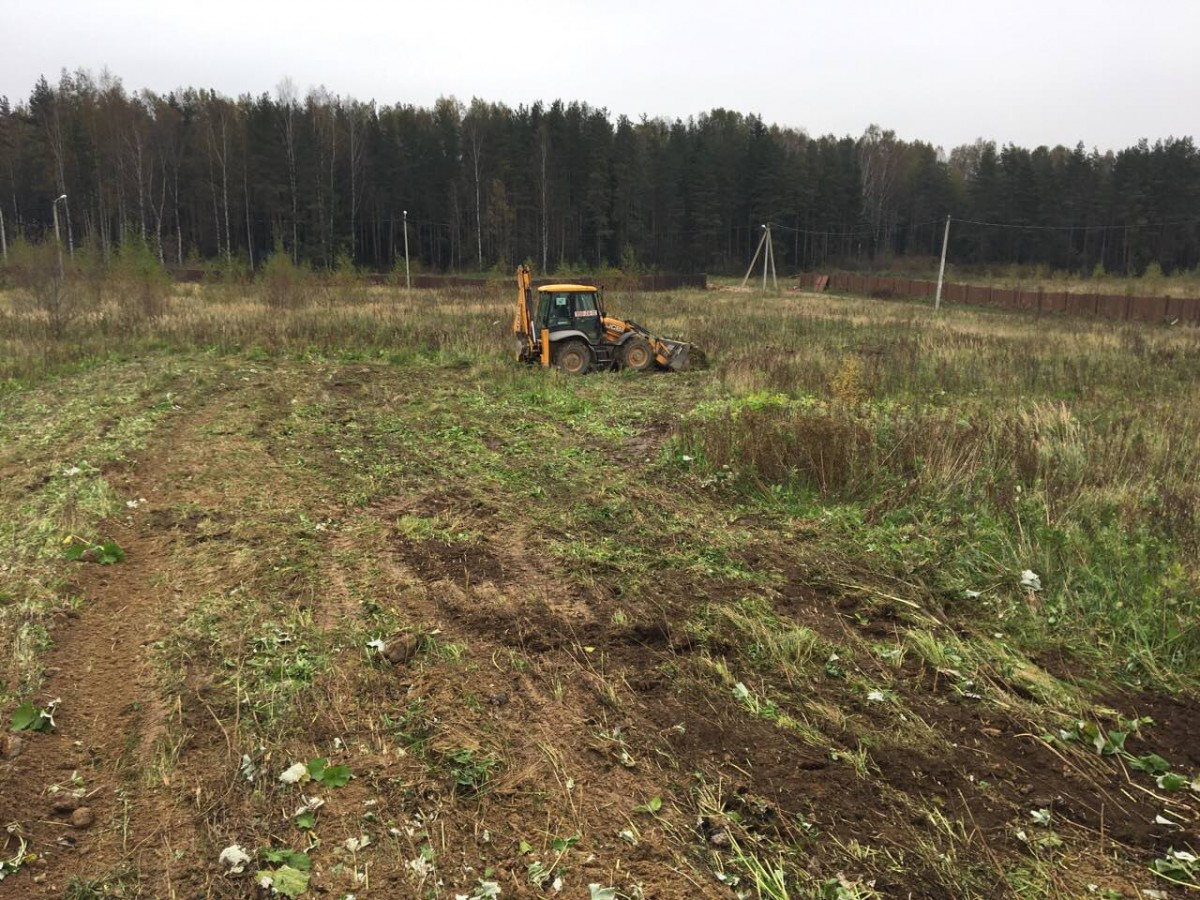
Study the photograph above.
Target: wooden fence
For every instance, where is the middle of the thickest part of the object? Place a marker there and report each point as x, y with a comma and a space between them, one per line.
1120, 307
433, 282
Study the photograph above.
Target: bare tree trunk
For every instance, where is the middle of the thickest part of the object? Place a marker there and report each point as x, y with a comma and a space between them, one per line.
456, 231
178, 222
54, 129
475, 151
246, 195
3, 237
355, 158
285, 93
545, 209
158, 214
136, 143
12, 183
212, 183
225, 189
120, 212
102, 215
332, 180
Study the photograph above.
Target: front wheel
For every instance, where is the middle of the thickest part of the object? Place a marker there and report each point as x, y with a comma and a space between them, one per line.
573, 357
636, 354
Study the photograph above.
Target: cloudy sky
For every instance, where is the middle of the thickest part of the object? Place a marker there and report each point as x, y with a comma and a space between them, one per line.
1105, 72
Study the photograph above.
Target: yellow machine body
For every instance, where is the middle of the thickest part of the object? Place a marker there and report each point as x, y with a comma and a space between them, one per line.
565, 324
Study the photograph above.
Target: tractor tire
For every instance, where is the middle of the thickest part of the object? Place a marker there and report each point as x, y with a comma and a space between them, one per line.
573, 357
636, 354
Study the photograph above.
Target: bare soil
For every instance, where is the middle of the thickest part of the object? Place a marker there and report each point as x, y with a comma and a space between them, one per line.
590, 702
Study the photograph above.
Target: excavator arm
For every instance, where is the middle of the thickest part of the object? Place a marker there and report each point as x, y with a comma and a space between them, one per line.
526, 340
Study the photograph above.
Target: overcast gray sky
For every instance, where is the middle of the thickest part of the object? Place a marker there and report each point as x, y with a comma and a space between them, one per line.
1028, 71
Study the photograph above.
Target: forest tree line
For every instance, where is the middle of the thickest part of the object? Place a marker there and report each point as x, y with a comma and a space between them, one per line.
198, 176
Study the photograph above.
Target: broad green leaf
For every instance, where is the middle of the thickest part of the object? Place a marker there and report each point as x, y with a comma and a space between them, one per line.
28, 717
109, 552
24, 717
1172, 782
1151, 764
306, 819
330, 776
561, 844
285, 880
335, 776
287, 857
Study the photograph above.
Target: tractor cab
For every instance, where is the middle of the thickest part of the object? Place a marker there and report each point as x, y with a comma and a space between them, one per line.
569, 307
564, 325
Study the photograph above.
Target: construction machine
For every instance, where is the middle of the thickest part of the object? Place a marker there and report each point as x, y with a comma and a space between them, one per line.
566, 325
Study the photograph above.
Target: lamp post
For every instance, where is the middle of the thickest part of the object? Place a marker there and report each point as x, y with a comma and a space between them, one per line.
407, 276
57, 237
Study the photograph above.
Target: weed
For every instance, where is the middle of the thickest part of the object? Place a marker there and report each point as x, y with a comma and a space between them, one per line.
470, 771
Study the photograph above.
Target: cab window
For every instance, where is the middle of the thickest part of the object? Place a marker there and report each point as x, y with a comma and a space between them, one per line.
560, 310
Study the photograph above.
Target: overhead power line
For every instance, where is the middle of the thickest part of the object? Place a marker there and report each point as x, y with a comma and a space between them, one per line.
1075, 227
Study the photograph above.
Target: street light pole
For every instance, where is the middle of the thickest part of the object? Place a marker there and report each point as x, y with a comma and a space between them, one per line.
57, 236
407, 275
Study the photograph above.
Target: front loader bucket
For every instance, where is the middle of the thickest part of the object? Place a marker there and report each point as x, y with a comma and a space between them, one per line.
679, 354
679, 358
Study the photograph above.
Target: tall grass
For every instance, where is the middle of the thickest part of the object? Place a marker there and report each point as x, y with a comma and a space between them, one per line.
336, 317
959, 453
945, 455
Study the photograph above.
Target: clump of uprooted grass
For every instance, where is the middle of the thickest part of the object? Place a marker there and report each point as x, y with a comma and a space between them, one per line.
960, 500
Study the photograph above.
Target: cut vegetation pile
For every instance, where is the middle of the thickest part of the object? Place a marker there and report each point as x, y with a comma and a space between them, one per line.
331, 598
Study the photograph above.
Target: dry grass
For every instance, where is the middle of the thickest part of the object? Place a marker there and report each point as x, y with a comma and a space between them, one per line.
740, 592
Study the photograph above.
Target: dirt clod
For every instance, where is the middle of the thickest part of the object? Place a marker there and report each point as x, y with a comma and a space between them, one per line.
401, 649
82, 818
65, 805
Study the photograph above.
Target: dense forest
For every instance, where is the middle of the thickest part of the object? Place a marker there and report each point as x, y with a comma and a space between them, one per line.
202, 177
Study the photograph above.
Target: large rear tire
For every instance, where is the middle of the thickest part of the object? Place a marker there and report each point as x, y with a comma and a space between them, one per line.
573, 357
637, 354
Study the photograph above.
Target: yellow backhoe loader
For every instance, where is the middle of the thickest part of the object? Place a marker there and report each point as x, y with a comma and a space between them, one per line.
565, 325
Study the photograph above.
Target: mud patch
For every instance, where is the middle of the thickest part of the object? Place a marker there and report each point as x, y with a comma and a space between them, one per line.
461, 562
1175, 733
195, 526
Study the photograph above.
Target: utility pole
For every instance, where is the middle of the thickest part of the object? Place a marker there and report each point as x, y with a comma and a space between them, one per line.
407, 275
937, 300
768, 259
771, 255
57, 236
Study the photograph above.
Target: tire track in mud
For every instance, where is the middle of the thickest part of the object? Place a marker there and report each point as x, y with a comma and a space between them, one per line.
589, 705
113, 722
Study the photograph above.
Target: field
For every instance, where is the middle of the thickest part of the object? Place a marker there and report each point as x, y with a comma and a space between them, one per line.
877, 605
1152, 283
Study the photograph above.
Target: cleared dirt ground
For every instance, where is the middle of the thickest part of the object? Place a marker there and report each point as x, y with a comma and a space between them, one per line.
596, 670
